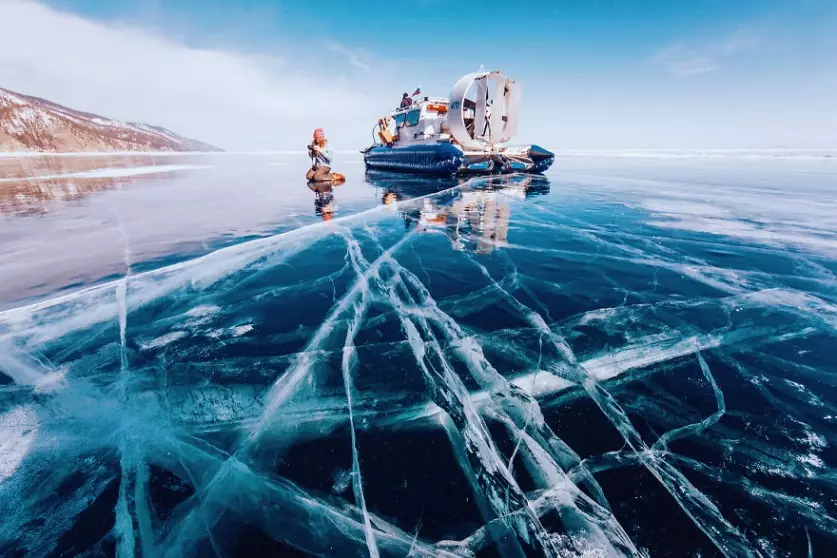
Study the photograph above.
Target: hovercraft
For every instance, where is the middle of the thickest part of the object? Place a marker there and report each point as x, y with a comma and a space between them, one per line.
469, 132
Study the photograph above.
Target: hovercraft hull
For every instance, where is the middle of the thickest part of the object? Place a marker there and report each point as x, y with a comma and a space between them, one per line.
435, 159
447, 159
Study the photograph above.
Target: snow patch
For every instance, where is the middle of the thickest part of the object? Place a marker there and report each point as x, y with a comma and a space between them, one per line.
202, 311
238, 331
164, 340
18, 431
813, 440
810, 459
342, 480
113, 172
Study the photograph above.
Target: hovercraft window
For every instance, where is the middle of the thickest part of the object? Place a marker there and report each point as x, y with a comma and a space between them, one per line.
399, 119
413, 117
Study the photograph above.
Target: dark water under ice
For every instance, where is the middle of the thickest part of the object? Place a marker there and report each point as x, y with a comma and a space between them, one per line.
202, 356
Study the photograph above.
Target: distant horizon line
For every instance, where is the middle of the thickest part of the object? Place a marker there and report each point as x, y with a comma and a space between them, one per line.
582, 151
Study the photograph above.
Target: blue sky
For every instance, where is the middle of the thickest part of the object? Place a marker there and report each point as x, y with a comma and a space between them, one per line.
596, 74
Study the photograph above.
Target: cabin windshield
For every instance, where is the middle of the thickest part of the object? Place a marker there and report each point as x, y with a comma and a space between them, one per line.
413, 117
399, 119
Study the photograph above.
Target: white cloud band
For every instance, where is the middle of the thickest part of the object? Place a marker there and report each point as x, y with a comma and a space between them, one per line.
233, 100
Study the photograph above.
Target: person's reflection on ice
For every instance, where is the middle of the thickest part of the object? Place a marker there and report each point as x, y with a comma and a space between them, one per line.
324, 204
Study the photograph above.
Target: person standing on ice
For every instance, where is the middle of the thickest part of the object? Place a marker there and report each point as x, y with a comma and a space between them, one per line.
321, 156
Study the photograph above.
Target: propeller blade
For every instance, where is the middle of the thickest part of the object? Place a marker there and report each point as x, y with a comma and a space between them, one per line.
482, 98
512, 97
497, 104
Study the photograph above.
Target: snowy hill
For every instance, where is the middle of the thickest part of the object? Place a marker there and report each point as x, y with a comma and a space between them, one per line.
34, 124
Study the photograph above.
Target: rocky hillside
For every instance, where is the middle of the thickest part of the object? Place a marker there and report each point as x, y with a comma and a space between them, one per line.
34, 124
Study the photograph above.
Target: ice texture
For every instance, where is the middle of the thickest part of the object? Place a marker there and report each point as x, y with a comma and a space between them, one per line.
542, 346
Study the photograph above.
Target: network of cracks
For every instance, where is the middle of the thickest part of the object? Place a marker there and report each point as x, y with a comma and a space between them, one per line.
503, 376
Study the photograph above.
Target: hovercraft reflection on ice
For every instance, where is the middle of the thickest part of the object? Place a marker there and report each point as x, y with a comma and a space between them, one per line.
474, 217
466, 133
395, 186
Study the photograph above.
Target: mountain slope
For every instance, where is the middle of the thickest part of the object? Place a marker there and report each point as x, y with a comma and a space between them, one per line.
33, 124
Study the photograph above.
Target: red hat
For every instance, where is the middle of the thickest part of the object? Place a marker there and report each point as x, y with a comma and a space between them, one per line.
319, 134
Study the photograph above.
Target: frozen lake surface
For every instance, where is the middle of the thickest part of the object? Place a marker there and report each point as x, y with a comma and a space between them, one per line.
202, 356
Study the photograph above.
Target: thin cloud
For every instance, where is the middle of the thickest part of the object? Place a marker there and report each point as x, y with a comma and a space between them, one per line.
688, 59
692, 66
740, 40
233, 100
354, 58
